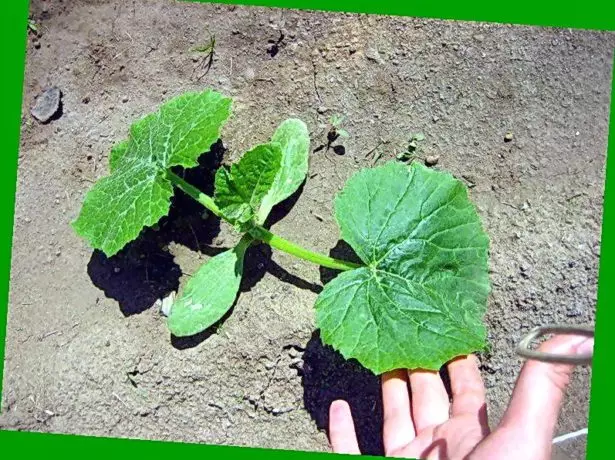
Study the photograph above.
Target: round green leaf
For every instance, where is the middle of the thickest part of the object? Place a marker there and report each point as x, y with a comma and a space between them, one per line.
421, 298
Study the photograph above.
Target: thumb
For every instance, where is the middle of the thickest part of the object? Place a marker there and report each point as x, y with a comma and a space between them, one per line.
537, 398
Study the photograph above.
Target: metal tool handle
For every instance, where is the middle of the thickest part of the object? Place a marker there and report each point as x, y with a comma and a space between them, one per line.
523, 349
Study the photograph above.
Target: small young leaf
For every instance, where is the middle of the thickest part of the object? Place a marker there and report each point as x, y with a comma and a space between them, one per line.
420, 300
137, 193
294, 140
210, 293
241, 190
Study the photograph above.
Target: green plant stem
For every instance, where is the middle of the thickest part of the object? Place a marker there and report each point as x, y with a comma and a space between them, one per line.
263, 234
194, 193
280, 243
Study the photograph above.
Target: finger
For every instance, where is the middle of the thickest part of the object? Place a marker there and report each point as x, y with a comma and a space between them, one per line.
398, 429
341, 429
540, 389
468, 390
430, 404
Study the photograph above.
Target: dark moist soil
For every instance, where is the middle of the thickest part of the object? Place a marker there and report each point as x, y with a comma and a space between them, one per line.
87, 348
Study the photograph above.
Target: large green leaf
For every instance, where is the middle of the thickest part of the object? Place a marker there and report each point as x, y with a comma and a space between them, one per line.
294, 140
210, 293
420, 300
240, 190
137, 193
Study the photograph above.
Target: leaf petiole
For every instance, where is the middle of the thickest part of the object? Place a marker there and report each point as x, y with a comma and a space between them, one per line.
282, 244
261, 233
194, 193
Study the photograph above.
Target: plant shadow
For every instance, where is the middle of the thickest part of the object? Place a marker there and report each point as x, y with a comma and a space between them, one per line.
326, 377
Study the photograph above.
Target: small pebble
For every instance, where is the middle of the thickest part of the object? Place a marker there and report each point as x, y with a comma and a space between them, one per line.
322, 109
116, 269
432, 160
435, 118
125, 99
508, 136
36, 44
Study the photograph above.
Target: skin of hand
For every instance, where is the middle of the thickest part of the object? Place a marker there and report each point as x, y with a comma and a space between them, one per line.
420, 421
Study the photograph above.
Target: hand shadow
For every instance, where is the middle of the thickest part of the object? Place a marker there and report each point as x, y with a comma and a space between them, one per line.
327, 376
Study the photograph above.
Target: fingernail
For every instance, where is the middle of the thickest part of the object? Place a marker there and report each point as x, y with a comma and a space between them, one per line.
586, 347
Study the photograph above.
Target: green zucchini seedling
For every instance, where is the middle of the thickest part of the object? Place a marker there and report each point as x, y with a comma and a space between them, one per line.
416, 300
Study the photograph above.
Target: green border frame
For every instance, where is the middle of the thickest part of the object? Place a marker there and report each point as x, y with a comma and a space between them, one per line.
593, 14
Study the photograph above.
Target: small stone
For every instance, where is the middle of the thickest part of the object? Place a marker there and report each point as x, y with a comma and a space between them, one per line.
435, 118
108, 343
47, 105
508, 136
432, 160
36, 44
125, 99
573, 312
479, 37
322, 109
116, 269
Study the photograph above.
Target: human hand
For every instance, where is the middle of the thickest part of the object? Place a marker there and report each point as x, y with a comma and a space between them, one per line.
425, 425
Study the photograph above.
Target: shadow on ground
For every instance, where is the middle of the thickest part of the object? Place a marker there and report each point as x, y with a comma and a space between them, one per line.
327, 376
